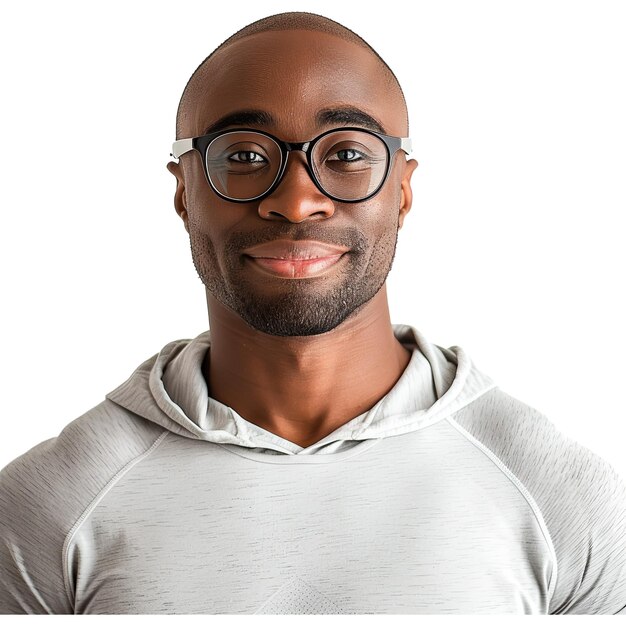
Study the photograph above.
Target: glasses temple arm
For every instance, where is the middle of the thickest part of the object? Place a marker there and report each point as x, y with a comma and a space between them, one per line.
181, 146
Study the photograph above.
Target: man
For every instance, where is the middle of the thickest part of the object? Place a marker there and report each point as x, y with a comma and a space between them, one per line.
305, 455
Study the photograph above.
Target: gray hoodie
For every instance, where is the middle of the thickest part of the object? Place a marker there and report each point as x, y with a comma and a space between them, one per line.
448, 496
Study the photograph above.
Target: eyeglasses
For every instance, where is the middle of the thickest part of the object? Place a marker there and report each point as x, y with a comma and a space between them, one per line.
346, 164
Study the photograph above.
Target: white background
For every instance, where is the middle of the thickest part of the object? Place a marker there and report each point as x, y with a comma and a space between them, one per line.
514, 248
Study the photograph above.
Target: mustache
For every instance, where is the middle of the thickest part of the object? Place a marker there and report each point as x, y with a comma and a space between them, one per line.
348, 237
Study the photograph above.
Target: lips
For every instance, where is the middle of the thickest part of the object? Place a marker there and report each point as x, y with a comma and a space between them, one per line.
294, 259
288, 249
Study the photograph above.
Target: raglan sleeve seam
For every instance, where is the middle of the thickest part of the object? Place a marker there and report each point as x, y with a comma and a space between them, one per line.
527, 496
72, 533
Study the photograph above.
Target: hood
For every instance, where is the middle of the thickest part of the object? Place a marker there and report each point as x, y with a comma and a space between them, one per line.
170, 390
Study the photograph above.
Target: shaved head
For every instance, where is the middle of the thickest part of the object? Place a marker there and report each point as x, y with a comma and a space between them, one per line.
197, 84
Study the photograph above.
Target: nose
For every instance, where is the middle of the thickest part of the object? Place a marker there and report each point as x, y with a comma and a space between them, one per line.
296, 198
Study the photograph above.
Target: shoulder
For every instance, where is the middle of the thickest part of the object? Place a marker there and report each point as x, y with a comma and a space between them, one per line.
580, 496
533, 448
89, 449
44, 491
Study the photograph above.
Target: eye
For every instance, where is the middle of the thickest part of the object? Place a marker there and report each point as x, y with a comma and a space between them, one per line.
246, 157
347, 155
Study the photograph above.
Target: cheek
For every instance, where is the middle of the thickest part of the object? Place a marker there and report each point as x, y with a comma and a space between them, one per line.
380, 214
380, 226
208, 214
205, 231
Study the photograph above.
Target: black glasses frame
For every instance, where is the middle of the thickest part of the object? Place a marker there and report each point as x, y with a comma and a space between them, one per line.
201, 145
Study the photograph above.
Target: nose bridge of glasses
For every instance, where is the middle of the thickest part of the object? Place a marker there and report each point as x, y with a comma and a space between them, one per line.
298, 174
302, 146
292, 146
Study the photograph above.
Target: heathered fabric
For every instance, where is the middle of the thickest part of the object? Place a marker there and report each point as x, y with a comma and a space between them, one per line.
447, 497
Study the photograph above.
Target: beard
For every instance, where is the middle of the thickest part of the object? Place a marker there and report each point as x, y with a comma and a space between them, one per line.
294, 307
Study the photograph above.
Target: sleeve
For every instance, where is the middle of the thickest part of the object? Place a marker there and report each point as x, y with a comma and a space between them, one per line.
44, 492
31, 542
589, 530
581, 498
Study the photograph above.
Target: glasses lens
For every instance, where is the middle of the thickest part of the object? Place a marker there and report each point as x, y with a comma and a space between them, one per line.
350, 164
243, 165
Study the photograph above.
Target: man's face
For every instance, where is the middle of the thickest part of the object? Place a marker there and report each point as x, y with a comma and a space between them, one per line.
292, 76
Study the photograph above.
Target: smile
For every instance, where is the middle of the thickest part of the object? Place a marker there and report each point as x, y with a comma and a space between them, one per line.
293, 267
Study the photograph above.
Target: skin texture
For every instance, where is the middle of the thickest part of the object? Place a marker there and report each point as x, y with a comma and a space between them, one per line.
297, 357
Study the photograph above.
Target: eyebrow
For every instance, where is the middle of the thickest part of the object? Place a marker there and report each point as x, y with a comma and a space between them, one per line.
350, 116
249, 117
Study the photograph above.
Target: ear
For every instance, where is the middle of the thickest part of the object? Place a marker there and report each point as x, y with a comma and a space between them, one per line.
407, 194
180, 200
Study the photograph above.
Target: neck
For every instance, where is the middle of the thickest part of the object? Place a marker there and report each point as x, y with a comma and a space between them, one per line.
303, 388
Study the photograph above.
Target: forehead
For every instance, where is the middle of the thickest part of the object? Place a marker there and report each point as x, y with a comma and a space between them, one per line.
292, 75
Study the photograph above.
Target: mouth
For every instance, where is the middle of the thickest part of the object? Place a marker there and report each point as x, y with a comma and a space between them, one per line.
291, 267
286, 258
